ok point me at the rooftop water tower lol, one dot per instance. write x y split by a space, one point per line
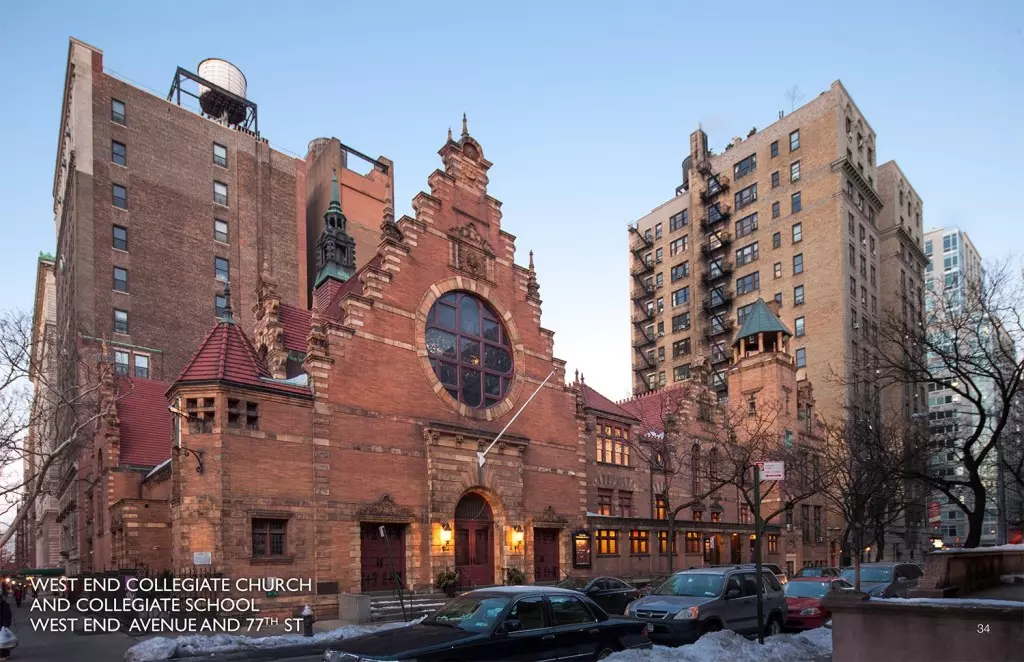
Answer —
214 102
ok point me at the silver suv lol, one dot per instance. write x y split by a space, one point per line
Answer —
693 602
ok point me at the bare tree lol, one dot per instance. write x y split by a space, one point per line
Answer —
967 351
794 96
46 415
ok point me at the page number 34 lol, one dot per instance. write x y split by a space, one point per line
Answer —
983 628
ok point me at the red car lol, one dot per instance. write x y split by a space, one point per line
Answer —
803 600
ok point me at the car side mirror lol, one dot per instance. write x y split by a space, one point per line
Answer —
901 579
512 625
732 593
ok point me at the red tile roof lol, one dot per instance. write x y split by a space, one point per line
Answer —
594 400
145 422
296 327
227 355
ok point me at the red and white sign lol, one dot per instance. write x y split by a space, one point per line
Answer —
771 470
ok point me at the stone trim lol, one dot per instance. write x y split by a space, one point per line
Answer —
385 510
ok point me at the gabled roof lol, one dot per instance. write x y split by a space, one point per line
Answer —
761 319
226 355
594 400
144 422
296 327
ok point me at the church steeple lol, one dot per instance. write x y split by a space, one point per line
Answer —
335 249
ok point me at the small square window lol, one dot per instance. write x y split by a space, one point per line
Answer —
142 366
121 321
220 155
220 193
221 269
801 358
776 210
119 196
775 179
777 240
775 149
220 231
120 238
120 279
798 263
794 171
120 363
117 111
798 233
799 325
118 153
798 295
794 141
795 203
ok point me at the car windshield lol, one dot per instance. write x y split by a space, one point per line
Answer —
806 589
575 583
868 574
812 572
698 585
472 613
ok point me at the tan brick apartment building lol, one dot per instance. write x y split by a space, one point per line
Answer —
798 212
795 212
156 207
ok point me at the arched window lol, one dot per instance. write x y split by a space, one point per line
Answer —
469 349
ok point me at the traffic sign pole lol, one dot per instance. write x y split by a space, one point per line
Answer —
757 552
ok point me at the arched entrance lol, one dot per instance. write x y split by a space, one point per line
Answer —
474 541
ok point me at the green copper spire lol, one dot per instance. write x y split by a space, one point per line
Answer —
335 250
761 319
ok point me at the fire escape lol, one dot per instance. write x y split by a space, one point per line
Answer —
716 274
642 294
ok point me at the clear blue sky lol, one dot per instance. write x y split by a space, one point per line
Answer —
585 108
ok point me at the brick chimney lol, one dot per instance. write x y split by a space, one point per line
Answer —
774 306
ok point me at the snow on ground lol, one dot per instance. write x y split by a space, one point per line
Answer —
966 550
727 646
164 648
956 602
1012 579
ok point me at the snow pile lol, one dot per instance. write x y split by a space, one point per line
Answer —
954 602
163 648
727 646
973 550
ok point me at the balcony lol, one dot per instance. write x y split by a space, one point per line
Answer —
709 276
640 242
716 184
715 214
716 242
643 363
642 339
712 303
717 330
718 357
643 316
645 267
642 292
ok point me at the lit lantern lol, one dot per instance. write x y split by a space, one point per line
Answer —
445 536
517 538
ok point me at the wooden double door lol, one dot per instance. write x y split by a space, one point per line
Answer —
474 542
377 572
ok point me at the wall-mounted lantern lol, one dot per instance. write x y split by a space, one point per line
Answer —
445 536
517 538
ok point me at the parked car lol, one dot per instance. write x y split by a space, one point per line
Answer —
803 601
885 579
811 571
694 602
609 593
503 623
779 573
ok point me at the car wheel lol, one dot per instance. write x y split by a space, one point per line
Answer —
710 626
774 626
604 652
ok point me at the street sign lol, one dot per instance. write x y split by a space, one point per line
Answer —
771 470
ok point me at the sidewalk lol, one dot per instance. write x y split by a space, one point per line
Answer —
64 646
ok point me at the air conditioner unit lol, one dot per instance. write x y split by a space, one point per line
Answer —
864 243
661 334
789 527
856 326
820 539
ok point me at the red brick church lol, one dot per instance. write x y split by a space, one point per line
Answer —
292 451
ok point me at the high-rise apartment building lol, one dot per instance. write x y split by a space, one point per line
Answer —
797 213
159 203
954 268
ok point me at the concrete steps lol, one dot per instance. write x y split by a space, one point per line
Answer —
388 608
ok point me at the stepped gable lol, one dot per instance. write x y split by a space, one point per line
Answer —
145 424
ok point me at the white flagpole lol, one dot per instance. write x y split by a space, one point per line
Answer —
479 455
